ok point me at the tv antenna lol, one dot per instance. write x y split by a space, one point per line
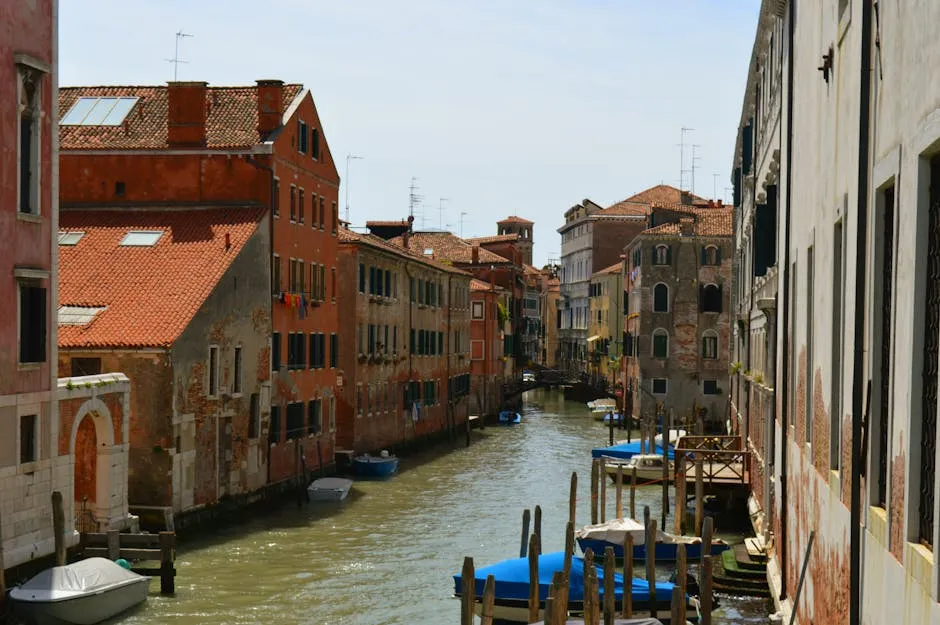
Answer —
694 158
440 211
349 157
176 60
682 169
413 198
462 213
715 186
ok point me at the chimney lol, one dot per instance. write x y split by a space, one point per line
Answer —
475 255
186 114
721 203
687 227
685 198
404 238
270 105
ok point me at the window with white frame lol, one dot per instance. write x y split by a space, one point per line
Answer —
477 311
29 146
662 255
660 343
710 345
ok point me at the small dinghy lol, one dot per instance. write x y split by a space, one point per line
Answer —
508 417
329 489
382 465
649 469
612 534
83 593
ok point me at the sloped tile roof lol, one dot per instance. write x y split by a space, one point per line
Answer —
496 238
231 119
449 247
615 268
150 294
350 237
514 219
663 193
706 222
626 208
481 285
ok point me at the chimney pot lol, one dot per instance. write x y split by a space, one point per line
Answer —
721 203
186 113
270 105
404 238
475 254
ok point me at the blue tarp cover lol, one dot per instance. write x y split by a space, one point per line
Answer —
627 451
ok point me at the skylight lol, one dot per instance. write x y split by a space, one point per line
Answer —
70 238
98 112
141 238
78 315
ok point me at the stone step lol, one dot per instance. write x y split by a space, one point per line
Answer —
744 560
732 570
754 549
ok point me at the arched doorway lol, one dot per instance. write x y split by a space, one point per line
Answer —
92 443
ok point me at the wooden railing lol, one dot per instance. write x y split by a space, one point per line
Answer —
723 459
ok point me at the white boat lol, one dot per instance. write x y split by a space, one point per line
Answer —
605 404
329 489
83 593
649 468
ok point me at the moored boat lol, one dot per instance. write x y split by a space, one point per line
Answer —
329 489
382 465
512 587
508 417
82 593
649 468
612 533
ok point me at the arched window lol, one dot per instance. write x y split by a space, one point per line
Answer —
660 343
710 345
711 255
660 298
662 255
710 298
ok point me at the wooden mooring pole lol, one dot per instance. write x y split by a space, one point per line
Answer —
573 497
682 581
489 598
525 533
590 589
167 556
651 564
58 527
705 590
609 605
594 480
619 491
467 591
537 524
633 493
679 477
534 549
708 527
628 575
699 494
602 485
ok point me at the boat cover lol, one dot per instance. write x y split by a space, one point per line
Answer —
331 483
619 621
84 577
615 530
512 579
626 451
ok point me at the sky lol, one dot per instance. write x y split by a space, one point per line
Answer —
501 107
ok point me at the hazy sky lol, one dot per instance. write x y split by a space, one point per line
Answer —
502 106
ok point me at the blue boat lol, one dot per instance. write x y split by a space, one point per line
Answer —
612 533
512 586
375 466
508 417
626 451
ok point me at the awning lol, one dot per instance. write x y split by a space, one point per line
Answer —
591 339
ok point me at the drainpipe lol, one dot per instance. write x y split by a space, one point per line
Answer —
783 320
407 341
864 123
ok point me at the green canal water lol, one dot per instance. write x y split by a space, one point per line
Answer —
386 555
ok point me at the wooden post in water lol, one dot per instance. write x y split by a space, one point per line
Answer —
58 526
569 554
525 533
167 571
666 435
680 494
594 470
705 590
534 549
708 527
320 457
681 581
628 575
651 563
699 494
611 428
559 612
646 517
609 605
677 599
468 591
573 497
633 493
489 598
114 545
602 484
620 491
590 592
537 525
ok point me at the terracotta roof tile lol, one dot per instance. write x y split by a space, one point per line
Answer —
626 208
480 285
514 219
231 121
449 247
706 222
660 193
496 238
150 293
348 236
615 268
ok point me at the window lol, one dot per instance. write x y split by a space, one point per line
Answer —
78 315
276 351
711 255
388 283
322 282
440 342
371 339
32 323
322 209
394 339
662 255
335 221
333 283
213 370
659 386
660 343
334 350
359 399
85 366
295 420
838 286
810 338
660 298
362 278
70 238
315 408
372 286
332 414
300 206
274 433
710 387
301 136
710 298
30 147
380 282
315 143
276 198
98 112
886 306
710 345
293 203
411 289
28 438
313 210
275 274
141 238
254 420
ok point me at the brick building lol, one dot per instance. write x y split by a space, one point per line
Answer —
551 319
678 319
188 146
177 301
605 329
404 359
523 229
487 364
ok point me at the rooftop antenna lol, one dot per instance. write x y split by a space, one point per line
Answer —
176 60
413 197
694 158
440 210
682 169
349 157
462 213
715 186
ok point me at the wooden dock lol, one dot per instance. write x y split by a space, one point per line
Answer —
136 549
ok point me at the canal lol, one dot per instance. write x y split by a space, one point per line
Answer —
386 555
